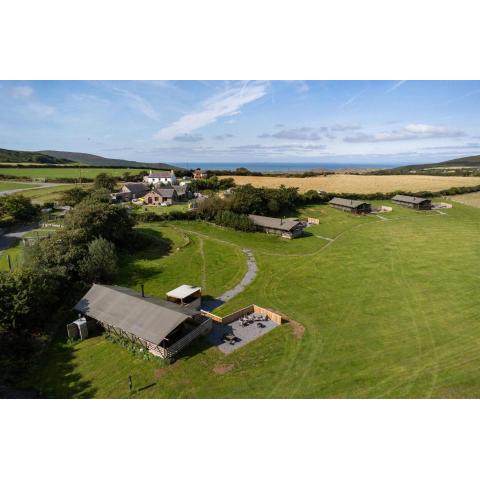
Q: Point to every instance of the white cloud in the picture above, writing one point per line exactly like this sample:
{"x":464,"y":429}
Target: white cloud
{"x":352,"y":99}
{"x":22,"y":91}
{"x":225,"y":104}
{"x":187,"y":137}
{"x":41,"y":109}
{"x":395,"y":86}
{"x":303,"y":133}
{"x":413,"y":131}
{"x":136,"y":102}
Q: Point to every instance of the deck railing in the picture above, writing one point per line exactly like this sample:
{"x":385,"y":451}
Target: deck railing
{"x":202,"y":329}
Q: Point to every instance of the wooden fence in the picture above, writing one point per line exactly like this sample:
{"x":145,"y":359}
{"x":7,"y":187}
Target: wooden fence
{"x":274,"y":316}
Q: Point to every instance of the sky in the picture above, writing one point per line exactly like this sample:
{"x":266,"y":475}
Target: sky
{"x":355,"y":122}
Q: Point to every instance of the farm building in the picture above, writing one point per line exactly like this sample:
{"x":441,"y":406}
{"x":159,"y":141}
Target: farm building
{"x":417,"y":203}
{"x":167,"y":195}
{"x":162,"y":327}
{"x":352,"y":206}
{"x":133,"y":190}
{"x":285,"y":227}
{"x":161,"y":178}
{"x":199,"y":174}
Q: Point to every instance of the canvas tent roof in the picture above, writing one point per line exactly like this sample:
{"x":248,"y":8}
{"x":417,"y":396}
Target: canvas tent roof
{"x":285,"y":224}
{"x":346,"y":202}
{"x":409,"y":199}
{"x":145,"y":317}
{"x":183,"y":291}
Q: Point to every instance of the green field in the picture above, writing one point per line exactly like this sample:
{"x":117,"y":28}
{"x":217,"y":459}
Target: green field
{"x":49,"y":194}
{"x":386,"y":309}
{"x":51,"y":173}
{"x":12,"y":186}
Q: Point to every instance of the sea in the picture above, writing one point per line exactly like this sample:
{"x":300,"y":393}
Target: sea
{"x":279,"y":166}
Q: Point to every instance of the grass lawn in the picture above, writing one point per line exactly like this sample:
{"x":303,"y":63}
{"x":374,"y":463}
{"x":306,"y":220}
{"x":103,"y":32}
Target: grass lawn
{"x":49,"y":194}
{"x":389,"y":309}
{"x":65,"y":172}
{"x":177,"y":207}
{"x":12,"y":186}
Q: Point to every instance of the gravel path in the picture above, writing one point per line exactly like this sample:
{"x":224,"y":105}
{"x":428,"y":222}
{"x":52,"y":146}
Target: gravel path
{"x":246,"y":280}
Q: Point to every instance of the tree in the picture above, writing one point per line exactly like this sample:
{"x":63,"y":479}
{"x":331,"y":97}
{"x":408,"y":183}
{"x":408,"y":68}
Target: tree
{"x":73,"y":196}
{"x":17,"y":208}
{"x":100,"y":262}
{"x":96,"y":219}
{"x":101,"y":195}
{"x":104,"y":180}
{"x":27,"y":298}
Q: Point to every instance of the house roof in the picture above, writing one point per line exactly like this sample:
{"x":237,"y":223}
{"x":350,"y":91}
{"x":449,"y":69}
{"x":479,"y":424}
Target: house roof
{"x":165,"y":192}
{"x":284,"y":224}
{"x":346,"y":202}
{"x":136,"y":187}
{"x":151,"y":319}
{"x":409,"y":199}
{"x":160,"y":175}
{"x":180,"y":189}
{"x":183,"y":291}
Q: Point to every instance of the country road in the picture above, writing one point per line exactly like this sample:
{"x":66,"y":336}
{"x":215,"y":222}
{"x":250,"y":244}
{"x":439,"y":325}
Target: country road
{"x":8,"y":239}
{"x":37,"y":186}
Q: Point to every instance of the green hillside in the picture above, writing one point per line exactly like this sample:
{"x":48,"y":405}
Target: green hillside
{"x":472,"y":162}
{"x":18,"y":156}
{"x":54,"y":157}
{"x":98,"y":161}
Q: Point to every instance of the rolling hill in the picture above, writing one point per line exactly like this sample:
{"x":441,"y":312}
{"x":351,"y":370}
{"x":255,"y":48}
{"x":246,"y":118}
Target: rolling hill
{"x":54,"y":157}
{"x":18,"y":156}
{"x":98,"y":161}
{"x":472,"y":162}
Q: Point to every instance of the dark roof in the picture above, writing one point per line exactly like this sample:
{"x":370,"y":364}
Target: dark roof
{"x":136,"y":187}
{"x":346,"y":202}
{"x":409,"y":199}
{"x":180,"y":189}
{"x":165,"y":192}
{"x":284,"y":224}
{"x":148,"y":318}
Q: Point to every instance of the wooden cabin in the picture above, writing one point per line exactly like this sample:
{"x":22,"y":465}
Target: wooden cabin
{"x":353,"y":206}
{"x":417,"y":203}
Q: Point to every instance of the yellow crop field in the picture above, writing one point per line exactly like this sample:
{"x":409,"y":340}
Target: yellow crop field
{"x":344,"y":183}
{"x":471,"y":199}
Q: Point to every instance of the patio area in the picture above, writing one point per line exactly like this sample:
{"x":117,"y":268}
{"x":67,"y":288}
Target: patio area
{"x":235,"y":335}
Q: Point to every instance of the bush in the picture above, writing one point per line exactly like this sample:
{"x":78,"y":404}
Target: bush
{"x":17,"y":208}
{"x":100,"y":262}
{"x":106,"y":181}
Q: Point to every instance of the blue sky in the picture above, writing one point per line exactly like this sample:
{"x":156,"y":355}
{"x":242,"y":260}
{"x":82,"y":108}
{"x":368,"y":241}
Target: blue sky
{"x":361,"y":122}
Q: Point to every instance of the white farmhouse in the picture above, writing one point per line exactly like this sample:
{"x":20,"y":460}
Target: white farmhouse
{"x":164,"y":178}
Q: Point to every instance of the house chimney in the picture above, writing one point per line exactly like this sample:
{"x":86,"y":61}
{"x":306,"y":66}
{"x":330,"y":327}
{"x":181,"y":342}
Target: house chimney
{"x":143,"y":293}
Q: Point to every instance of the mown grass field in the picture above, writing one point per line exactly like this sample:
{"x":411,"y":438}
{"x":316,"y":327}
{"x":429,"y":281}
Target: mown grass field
{"x":49,"y":194}
{"x":386,"y":309}
{"x":13,"y":186}
{"x":51,"y":173}
{"x":343,"y":183}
